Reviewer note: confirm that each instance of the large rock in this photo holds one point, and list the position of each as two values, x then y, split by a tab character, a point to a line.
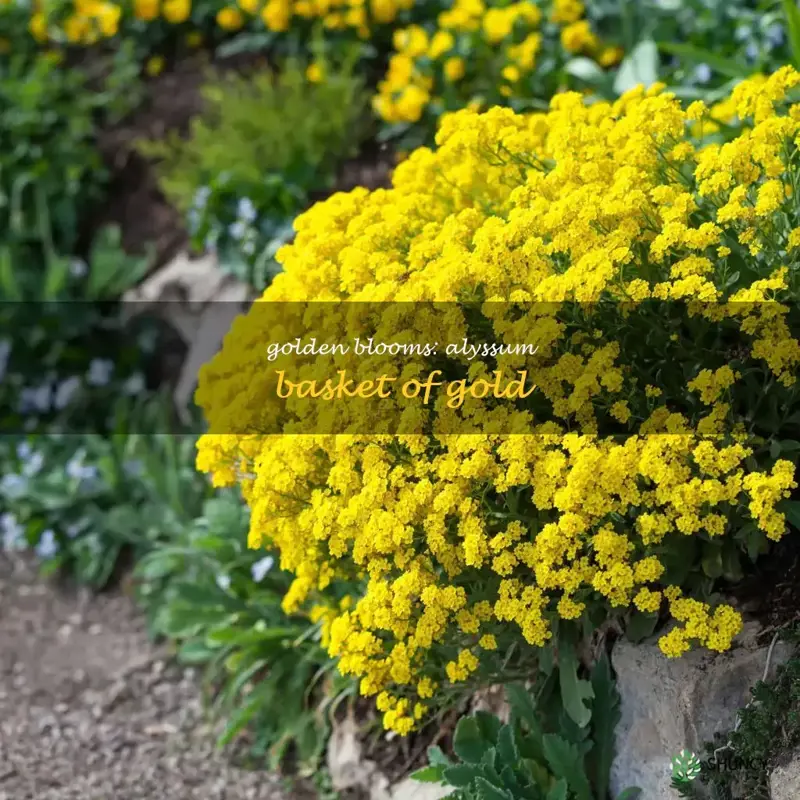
784	783
199	301
673	704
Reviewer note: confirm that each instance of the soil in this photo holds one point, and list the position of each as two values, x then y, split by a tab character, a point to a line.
771	593
90	709
134	200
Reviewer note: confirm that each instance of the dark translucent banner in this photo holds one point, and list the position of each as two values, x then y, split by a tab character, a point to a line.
472	367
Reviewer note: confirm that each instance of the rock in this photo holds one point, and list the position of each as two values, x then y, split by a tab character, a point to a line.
347	766
409	789
784	783
199	301
493	700
671	704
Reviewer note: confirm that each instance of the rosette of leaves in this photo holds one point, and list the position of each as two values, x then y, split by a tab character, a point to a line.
542	753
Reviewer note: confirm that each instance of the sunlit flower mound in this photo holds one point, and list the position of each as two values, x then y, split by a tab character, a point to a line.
435	560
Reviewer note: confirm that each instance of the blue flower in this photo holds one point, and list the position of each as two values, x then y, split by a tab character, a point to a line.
13	486
201	197
133	468
245	210
47	546
78	268
13	533
77	470
100	370
134	385
237	230
65	391
702	73
224	582
33	464
261	568
775	35
35	399
752	51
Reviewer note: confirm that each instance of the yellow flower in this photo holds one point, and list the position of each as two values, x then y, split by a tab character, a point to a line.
276	15
230	18
609	56
38	27
176	11
578	37
454	69
315	72
154	65
146	10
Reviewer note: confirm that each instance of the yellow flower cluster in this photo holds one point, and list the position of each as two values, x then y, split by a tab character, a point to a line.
458	544
463	51
278	15
89	21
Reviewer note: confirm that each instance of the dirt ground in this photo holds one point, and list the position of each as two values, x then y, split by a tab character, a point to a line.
91	710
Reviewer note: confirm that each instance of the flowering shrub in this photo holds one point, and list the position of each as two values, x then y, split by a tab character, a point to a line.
437	559
485	53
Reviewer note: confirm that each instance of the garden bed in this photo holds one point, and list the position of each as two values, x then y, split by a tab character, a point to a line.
614	176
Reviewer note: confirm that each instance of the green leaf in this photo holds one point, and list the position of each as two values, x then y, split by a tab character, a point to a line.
640	626
696	55
639	67
486	791
559	791
507	746
488	725
194	652
573	690
437	758
792	511
712	559
631	793
468	743
523	707
793	24
566	761
460	775
428	775
605	717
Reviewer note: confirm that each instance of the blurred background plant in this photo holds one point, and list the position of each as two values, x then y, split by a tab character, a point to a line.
263	144
221	603
49	164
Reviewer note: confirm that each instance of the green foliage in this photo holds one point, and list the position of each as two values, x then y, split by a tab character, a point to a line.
262	145
221	604
48	119
737	764
542	753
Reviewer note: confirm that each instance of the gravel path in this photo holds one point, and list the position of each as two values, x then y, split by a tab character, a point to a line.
91	710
